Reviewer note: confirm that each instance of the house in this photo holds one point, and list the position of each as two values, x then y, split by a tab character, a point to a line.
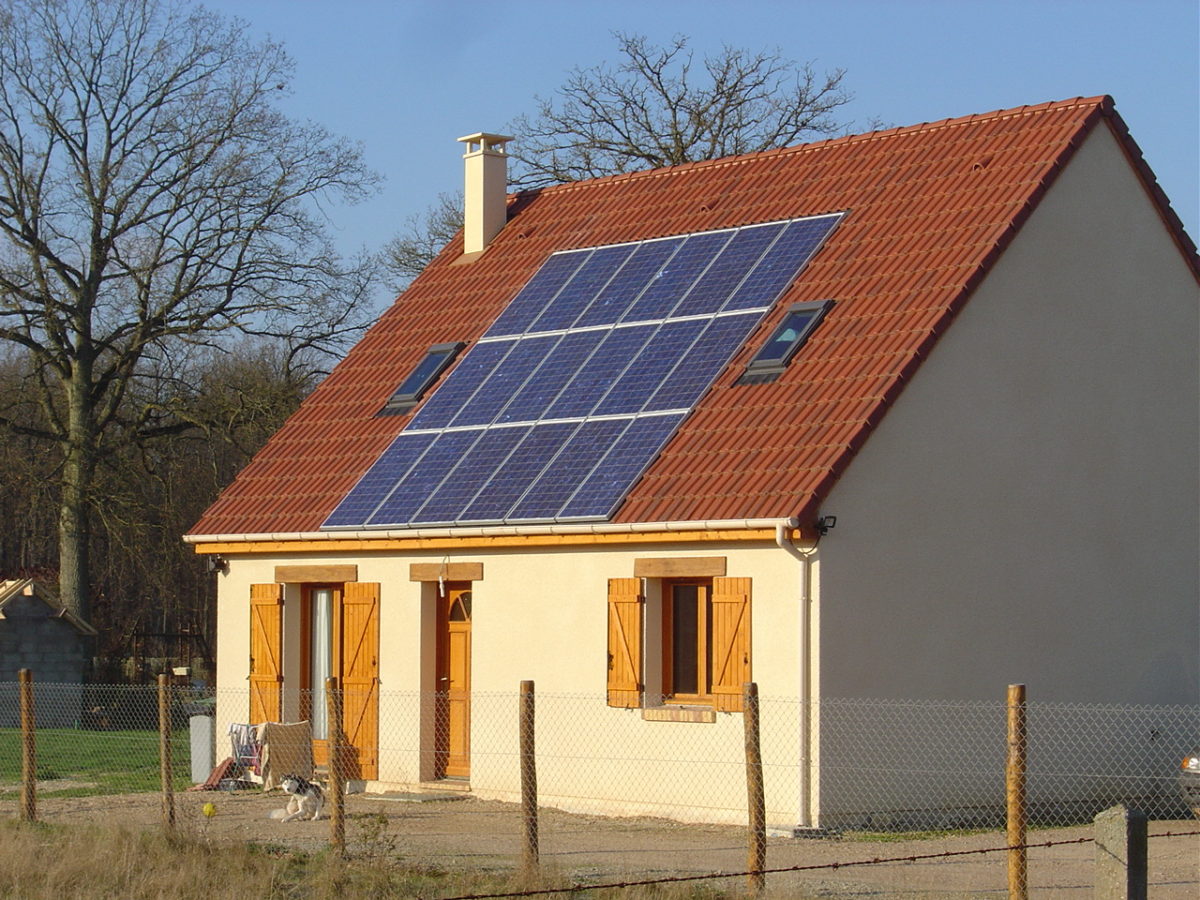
38	633
903	415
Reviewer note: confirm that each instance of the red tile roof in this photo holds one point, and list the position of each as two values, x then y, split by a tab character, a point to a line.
930	208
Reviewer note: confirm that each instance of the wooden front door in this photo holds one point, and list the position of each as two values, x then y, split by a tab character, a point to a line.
453	732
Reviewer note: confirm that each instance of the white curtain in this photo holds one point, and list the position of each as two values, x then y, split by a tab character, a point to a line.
322	658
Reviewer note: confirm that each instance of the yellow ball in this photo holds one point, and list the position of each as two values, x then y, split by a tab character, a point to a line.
209	810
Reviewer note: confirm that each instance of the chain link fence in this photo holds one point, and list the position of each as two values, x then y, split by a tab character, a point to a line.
607	778
899	765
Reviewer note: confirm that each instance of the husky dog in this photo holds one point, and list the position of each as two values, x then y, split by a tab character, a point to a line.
305	800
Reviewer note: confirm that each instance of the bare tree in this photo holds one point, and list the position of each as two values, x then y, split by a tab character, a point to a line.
659	106
656	107
406	255
152	196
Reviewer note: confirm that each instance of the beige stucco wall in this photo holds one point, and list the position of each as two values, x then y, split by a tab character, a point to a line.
541	615
1027	512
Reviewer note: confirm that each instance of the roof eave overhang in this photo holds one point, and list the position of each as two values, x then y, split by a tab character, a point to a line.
500	536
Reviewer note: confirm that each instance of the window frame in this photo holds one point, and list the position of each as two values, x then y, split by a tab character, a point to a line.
762	369
416	384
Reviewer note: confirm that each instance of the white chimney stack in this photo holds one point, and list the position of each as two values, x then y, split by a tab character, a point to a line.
485	189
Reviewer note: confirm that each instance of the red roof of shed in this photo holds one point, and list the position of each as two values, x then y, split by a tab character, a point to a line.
930	208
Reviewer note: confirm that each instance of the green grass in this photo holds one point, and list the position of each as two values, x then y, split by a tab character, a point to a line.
104	762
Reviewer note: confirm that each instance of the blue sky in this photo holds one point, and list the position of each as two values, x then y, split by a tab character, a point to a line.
407	77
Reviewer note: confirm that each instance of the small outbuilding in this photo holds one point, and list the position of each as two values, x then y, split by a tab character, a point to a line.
40	634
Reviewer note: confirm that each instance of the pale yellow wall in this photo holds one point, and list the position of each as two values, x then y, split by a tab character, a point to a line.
542	616
1027	512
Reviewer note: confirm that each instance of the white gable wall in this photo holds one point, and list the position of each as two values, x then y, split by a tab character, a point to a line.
1027	512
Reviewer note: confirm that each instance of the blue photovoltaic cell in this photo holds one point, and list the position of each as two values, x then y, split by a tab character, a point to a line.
508	436
614	301
585	390
357	506
538	292
708	356
455	392
741	254
561	477
414	489
504	380
681	271
798	242
471	472
518	472
557	369
646	371
624	462
580	290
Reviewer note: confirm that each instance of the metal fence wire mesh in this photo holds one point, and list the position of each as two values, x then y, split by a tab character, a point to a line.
925	764
605	775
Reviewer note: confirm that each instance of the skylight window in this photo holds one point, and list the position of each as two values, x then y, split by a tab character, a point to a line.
788	338
419	380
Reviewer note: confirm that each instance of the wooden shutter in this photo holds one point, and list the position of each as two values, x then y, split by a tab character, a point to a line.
625	601
360	676
730	641
266	658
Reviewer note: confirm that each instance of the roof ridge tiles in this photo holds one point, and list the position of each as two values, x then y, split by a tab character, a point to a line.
1102	103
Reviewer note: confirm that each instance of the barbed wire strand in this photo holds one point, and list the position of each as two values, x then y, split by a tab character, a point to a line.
946	854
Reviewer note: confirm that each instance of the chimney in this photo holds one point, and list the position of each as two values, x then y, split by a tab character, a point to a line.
485	190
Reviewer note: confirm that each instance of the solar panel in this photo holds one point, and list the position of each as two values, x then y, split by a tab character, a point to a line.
561	406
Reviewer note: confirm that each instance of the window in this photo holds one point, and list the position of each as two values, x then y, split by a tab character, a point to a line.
413	388
705	641
320	617
687	655
798	323
339	638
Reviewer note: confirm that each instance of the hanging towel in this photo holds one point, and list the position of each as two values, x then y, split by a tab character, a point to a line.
286	750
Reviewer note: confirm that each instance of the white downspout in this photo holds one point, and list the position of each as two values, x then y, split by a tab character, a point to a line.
783	540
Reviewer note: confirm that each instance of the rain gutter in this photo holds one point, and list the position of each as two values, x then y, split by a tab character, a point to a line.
500	531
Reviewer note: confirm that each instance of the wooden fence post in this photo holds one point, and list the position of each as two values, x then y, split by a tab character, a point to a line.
1014	778
529	804
164	751
28	748
337	781
756	854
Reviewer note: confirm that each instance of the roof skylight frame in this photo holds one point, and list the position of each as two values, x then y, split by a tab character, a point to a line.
801	317
436	360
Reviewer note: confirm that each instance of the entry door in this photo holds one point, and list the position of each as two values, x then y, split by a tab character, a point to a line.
453	750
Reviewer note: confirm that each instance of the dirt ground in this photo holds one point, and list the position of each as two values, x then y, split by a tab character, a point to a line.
471	833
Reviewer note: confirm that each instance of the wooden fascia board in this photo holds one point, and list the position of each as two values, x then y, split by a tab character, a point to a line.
482	542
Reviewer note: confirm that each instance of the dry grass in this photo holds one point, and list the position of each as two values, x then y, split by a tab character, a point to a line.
43	862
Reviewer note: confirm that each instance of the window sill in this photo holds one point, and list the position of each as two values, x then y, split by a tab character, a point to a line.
678	714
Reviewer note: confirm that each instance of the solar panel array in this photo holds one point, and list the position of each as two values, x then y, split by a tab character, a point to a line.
557	410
